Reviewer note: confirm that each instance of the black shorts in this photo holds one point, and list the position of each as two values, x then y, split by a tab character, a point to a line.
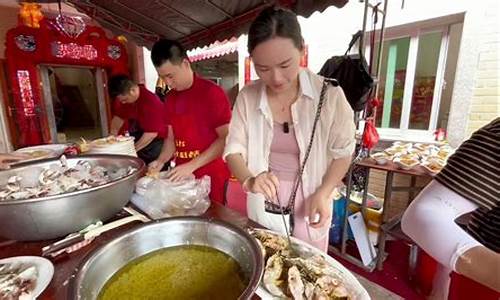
151	151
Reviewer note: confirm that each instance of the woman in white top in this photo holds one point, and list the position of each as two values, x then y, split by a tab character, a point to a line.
270	130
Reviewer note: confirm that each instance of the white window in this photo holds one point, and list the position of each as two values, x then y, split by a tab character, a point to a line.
412	79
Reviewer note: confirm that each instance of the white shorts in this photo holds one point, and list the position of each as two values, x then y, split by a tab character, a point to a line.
430	222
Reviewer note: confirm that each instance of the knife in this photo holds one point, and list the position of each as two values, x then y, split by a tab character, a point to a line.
62	244
92	233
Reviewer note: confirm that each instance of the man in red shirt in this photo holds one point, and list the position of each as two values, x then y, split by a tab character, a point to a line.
197	115
143	112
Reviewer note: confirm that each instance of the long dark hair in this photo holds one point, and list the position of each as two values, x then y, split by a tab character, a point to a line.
275	22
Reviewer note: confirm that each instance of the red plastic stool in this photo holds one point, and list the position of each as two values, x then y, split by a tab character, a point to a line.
461	287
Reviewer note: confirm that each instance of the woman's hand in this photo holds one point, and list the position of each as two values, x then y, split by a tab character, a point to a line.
7	159
266	183
319	209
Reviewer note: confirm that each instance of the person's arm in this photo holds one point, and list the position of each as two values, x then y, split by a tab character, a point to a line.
146	139
7	159
212	152
116	125
341	144
238	167
235	154
265	183
482	265
167	151
320	208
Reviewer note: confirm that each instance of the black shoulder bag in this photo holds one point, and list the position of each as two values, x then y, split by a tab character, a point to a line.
351	72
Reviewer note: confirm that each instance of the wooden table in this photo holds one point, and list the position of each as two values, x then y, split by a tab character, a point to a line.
390	168
66	265
412	190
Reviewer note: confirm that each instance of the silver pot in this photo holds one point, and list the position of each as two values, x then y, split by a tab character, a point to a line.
101	264
55	216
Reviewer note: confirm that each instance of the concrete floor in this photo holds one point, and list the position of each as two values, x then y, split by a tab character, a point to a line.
376	291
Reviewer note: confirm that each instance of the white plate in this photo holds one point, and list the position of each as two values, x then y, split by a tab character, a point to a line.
43	266
351	281
58	149
53	150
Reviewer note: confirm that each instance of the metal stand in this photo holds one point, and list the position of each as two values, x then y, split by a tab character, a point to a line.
342	251
389	226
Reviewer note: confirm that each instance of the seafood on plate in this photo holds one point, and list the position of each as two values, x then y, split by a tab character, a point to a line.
59	178
433	166
287	276
17	280
406	163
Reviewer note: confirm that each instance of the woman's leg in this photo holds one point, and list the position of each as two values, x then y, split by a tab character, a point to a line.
430	222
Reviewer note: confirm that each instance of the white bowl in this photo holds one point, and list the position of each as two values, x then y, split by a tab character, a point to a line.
427	165
404	165
380	158
44	151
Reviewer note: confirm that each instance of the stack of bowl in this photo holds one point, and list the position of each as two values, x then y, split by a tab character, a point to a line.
121	145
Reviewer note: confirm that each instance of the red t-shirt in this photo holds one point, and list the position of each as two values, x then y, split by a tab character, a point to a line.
147	111
194	114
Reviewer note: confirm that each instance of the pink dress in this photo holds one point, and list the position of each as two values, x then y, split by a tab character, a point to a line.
284	163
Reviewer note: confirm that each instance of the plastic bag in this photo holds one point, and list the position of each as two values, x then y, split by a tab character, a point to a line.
188	197
370	135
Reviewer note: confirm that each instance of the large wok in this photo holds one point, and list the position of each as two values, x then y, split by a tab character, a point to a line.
55	216
100	265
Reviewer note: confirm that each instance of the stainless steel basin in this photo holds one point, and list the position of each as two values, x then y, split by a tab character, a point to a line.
101	264
55	216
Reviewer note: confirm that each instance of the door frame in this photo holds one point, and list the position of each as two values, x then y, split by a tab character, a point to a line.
98	74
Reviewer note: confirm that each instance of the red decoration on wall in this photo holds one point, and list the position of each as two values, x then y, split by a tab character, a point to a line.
73	51
72	26
27	47
23	78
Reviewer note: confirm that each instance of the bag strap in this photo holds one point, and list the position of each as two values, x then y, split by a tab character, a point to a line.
354	39
298	179
372	36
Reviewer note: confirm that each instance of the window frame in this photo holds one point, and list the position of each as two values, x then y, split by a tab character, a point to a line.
414	31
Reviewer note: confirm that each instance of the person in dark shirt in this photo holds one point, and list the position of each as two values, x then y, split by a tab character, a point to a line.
468	184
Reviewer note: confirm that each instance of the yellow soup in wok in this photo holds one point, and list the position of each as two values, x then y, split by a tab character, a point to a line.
181	272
